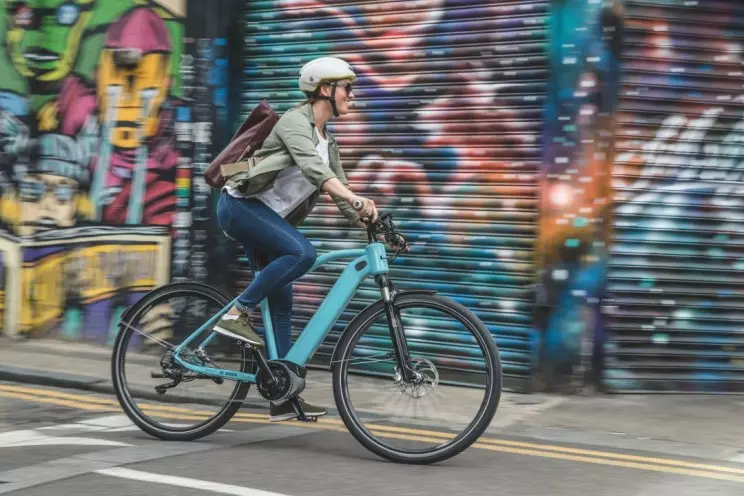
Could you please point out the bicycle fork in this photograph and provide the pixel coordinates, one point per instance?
(397, 333)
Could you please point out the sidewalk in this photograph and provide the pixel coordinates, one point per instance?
(683, 425)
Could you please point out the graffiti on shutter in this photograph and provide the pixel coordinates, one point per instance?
(444, 134)
(676, 288)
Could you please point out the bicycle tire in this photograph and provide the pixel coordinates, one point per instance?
(482, 418)
(123, 395)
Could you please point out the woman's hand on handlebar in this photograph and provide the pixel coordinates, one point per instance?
(365, 207)
(382, 232)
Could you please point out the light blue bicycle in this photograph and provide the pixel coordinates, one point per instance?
(413, 345)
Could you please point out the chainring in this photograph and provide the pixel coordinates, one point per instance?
(287, 383)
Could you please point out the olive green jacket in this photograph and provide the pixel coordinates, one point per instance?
(293, 141)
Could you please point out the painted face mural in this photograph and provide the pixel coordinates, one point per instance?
(133, 79)
(43, 36)
(49, 191)
(132, 96)
(89, 90)
(47, 202)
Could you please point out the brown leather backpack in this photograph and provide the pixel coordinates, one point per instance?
(249, 138)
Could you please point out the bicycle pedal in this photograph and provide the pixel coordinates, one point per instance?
(298, 410)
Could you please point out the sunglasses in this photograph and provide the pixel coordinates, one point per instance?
(346, 86)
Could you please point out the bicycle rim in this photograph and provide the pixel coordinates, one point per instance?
(196, 406)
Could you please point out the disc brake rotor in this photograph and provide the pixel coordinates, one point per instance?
(425, 381)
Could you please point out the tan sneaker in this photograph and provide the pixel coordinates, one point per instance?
(239, 328)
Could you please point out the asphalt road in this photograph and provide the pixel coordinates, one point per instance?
(66, 442)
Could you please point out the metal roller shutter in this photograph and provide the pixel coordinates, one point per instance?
(676, 310)
(445, 135)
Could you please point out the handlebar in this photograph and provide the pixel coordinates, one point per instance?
(384, 226)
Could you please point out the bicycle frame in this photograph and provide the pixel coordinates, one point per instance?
(370, 261)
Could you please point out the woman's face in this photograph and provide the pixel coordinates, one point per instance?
(344, 94)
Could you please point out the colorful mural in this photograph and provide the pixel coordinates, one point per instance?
(444, 134)
(74, 283)
(673, 312)
(95, 153)
(576, 200)
(489, 129)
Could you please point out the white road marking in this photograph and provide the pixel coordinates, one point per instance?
(66, 427)
(16, 439)
(215, 487)
(108, 423)
(102, 423)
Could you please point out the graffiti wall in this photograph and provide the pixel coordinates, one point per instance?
(99, 149)
(576, 199)
(444, 134)
(75, 283)
(674, 303)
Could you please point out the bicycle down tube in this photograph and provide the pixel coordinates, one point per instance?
(369, 261)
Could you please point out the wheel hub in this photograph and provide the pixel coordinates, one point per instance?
(425, 378)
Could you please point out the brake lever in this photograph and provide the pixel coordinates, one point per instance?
(391, 237)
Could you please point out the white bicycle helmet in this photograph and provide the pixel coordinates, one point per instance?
(325, 70)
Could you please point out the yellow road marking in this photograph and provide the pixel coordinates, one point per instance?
(665, 465)
(614, 463)
(54, 401)
(104, 401)
(55, 394)
(565, 449)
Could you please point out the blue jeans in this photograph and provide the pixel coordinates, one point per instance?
(261, 230)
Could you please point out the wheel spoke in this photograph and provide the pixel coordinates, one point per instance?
(159, 394)
(162, 343)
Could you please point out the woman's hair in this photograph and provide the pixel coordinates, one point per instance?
(311, 97)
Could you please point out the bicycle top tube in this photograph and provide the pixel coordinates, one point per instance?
(337, 254)
(374, 254)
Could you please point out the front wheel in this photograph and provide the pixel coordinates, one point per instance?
(426, 419)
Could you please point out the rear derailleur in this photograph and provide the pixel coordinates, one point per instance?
(171, 369)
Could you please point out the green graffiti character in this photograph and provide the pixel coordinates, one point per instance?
(44, 36)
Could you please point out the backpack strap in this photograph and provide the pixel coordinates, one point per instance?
(229, 170)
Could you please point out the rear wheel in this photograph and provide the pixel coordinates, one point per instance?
(158, 394)
(385, 413)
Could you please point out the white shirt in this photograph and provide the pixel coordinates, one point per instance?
(290, 187)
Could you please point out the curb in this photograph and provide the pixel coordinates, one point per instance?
(40, 377)
(46, 378)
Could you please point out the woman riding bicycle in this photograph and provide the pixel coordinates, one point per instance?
(261, 207)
